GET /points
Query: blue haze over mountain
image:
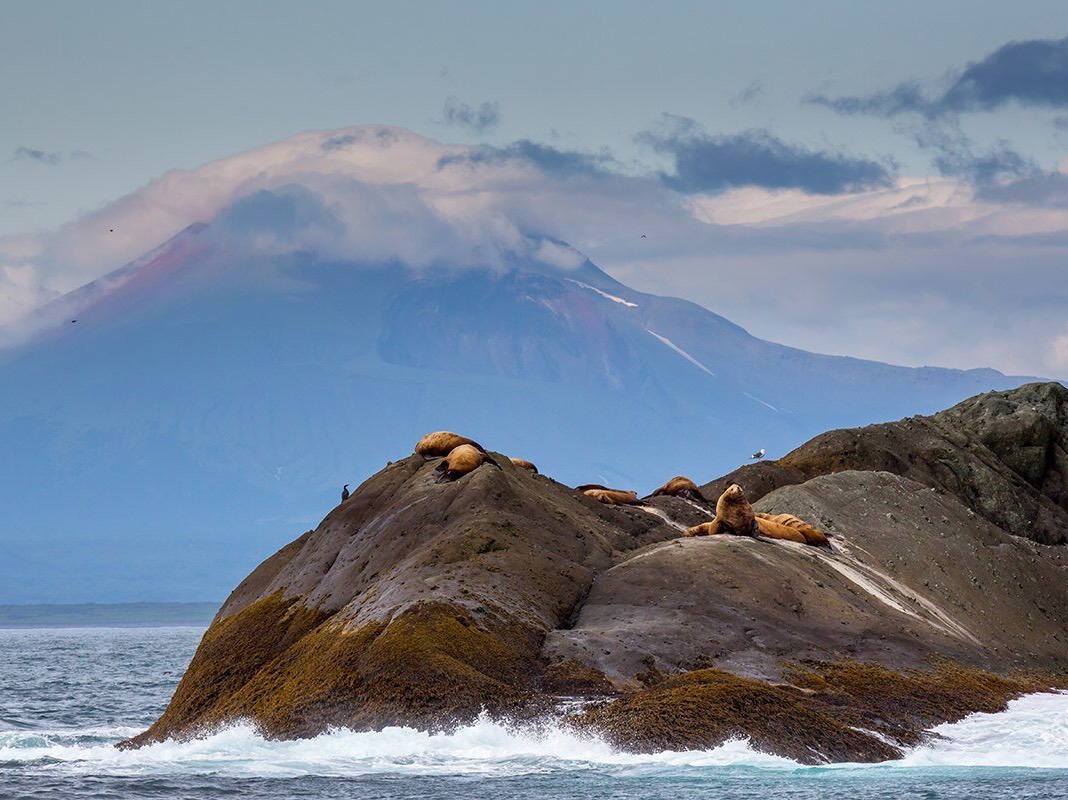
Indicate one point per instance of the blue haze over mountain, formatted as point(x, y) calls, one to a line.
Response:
point(209, 402)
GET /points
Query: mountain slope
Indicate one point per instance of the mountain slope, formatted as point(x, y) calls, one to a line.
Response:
point(213, 396)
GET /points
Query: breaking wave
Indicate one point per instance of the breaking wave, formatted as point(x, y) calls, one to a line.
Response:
point(1031, 733)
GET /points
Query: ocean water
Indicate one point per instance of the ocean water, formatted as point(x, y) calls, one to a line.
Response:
point(67, 695)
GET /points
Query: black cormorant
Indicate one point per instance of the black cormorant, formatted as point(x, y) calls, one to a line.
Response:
point(344, 493)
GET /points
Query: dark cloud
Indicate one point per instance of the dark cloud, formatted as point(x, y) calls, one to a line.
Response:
point(1030, 73)
point(705, 163)
point(903, 98)
point(384, 137)
point(42, 156)
point(748, 95)
point(546, 158)
point(954, 154)
point(46, 157)
point(341, 142)
point(479, 120)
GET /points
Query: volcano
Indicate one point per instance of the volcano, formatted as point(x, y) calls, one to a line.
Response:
point(215, 394)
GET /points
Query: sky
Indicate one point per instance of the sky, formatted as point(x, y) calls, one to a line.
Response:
point(880, 180)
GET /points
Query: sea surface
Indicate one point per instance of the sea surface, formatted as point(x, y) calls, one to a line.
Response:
point(67, 695)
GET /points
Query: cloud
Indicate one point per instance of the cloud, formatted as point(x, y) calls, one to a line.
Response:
point(748, 95)
point(478, 120)
point(955, 154)
point(544, 157)
point(1030, 73)
point(42, 156)
point(904, 98)
point(706, 163)
point(46, 157)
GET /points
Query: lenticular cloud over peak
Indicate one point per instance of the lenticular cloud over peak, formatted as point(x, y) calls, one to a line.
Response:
point(364, 194)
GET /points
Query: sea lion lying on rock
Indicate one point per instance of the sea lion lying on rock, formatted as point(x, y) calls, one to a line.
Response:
point(734, 515)
point(681, 486)
point(441, 443)
point(612, 497)
point(461, 460)
point(810, 533)
point(522, 463)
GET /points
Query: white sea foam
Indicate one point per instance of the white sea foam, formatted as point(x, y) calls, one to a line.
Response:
point(484, 748)
point(1033, 732)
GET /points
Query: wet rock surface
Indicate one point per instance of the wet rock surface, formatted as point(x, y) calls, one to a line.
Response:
point(423, 603)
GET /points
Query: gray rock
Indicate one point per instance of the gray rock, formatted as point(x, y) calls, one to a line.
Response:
point(912, 575)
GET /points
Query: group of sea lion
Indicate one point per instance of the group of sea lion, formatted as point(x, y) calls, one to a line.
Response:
point(459, 455)
point(734, 515)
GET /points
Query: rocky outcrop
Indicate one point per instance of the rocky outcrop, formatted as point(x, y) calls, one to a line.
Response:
point(424, 603)
point(1003, 454)
point(414, 602)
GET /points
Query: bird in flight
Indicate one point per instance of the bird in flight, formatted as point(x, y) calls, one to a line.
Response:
point(759, 454)
point(73, 321)
point(643, 235)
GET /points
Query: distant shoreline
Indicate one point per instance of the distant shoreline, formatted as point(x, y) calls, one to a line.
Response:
point(88, 615)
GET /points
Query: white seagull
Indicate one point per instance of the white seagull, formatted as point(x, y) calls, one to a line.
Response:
point(759, 454)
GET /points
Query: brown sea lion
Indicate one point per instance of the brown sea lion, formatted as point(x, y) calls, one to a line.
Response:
point(733, 515)
point(522, 463)
point(776, 530)
point(812, 535)
point(441, 443)
point(461, 460)
point(681, 486)
point(586, 486)
point(613, 497)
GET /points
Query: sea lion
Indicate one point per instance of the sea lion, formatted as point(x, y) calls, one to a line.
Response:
point(613, 497)
point(522, 463)
point(735, 515)
point(461, 460)
point(586, 486)
point(776, 530)
point(441, 443)
point(681, 486)
point(812, 535)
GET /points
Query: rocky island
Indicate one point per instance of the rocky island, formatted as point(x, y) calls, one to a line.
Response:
point(436, 593)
